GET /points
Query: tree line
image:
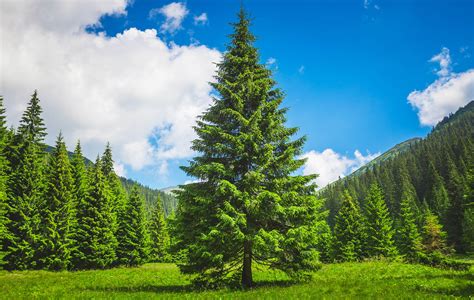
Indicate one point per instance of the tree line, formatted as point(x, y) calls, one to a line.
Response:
point(434, 176)
point(59, 213)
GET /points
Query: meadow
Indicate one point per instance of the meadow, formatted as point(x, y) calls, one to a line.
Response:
point(373, 279)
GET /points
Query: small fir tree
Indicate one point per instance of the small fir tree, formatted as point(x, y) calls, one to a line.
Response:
point(434, 238)
point(409, 238)
point(349, 231)
point(159, 238)
point(58, 214)
point(379, 225)
point(132, 236)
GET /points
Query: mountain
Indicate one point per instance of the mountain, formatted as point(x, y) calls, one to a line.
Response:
point(150, 195)
point(434, 171)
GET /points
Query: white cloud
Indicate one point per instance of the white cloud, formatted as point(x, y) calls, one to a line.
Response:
point(366, 4)
point(444, 60)
point(446, 94)
point(201, 19)
point(132, 89)
point(331, 165)
point(120, 169)
point(174, 13)
point(271, 61)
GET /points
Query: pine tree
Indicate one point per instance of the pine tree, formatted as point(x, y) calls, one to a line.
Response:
point(468, 222)
point(247, 206)
point(379, 225)
point(349, 231)
point(132, 235)
point(159, 238)
point(79, 197)
point(96, 242)
point(4, 170)
point(434, 238)
point(437, 195)
point(58, 214)
point(408, 236)
point(455, 214)
point(26, 189)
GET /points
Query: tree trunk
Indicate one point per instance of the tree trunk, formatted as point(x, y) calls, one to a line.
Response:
point(247, 280)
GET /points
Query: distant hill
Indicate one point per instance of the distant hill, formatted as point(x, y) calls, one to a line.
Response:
point(168, 200)
point(432, 170)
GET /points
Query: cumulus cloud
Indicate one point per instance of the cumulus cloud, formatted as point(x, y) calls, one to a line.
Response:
point(133, 89)
point(174, 14)
point(201, 19)
point(330, 165)
point(446, 94)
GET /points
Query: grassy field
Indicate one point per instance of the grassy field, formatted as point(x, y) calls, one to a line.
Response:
point(348, 280)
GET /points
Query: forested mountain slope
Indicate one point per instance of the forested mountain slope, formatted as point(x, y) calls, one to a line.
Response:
point(436, 172)
point(169, 202)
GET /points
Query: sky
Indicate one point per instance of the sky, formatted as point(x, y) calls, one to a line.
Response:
point(359, 75)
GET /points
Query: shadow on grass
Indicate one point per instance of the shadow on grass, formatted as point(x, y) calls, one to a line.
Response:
point(176, 289)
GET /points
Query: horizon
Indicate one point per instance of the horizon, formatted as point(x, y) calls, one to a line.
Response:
point(141, 70)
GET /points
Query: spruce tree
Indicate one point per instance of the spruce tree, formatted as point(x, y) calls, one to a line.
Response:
point(58, 214)
point(434, 238)
point(247, 206)
point(159, 238)
point(379, 225)
point(80, 195)
point(132, 235)
point(468, 222)
point(26, 189)
point(455, 214)
point(437, 196)
point(4, 170)
point(408, 235)
point(96, 242)
point(349, 231)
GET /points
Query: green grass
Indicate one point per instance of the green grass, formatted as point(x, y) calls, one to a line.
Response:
point(349, 280)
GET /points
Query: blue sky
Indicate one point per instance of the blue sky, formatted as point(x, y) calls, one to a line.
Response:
point(347, 68)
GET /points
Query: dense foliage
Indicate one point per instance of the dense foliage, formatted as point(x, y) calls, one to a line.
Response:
point(60, 211)
point(247, 206)
point(432, 175)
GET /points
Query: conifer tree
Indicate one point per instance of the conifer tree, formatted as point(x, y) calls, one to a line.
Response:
point(468, 222)
point(247, 206)
point(4, 170)
point(379, 225)
point(437, 195)
point(26, 189)
point(132, 235)
point(80, 197)
point(349, 231)
point(434, 238)
point(58, 214)
point(96, 242)
point(408, 235)
point(455, 214)
point(159, 238)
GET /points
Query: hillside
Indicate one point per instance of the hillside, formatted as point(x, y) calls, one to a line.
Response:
point(433, 171)
point(150, 195)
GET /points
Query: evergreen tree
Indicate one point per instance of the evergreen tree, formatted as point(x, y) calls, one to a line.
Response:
point(58, 214)
point(80, 197)
point(409, 238)
point(95, 237)
point(247, 207)
point(4, 170)
point(379, 225)
point(468, 222)
point(159, 238)
point(455, 215)
point(349, 231)
point(434, 238)
point(437, 195)
point(132, 235)
point(26, 189)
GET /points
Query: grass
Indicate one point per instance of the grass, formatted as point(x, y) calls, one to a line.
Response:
point(374, 279)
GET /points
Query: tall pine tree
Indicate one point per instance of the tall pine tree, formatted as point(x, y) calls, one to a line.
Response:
point(58, 214)
point(379, 225)
point(349, 231)
point(96, 241)
point(26, 189)
point(159, 238)
point(132, 236)
point(247, 206)
point(408, 235)
point(4, 170)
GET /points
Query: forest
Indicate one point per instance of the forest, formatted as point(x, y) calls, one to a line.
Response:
point(251, 212)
